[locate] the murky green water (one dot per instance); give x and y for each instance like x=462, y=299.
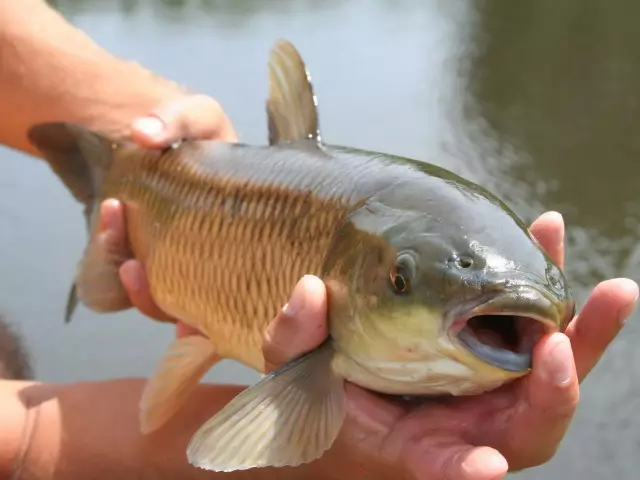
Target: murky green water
x=539, y=101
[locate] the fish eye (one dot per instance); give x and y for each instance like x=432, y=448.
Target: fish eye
x=400, y=283
x=402, y=274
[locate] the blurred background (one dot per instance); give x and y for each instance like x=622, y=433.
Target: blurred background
x=537, y=101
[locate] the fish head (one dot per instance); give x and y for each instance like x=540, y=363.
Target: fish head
x=441, y=290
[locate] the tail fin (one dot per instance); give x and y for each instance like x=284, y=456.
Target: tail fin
x=81, y=159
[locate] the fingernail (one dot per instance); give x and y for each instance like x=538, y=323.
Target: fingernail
x=552, y=213
x=296, y=301
x=626, y=311
x=561, y=356
x=107, y=217
x=150, y=126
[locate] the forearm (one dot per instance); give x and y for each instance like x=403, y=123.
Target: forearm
x=50, y=70
x=90, y=430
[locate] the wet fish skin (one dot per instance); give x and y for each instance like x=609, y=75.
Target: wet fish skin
x=226, y=230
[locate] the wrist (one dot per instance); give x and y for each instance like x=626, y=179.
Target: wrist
x=52, y=71
x=116, y=103
x=19, y=422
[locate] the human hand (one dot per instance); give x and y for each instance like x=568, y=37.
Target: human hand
x=189, y=117
x=475, y=438
x=467, y=438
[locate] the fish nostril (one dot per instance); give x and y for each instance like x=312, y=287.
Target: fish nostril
x=465, y=262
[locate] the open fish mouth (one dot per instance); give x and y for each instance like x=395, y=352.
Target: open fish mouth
x=503, y=333
x=503, y=340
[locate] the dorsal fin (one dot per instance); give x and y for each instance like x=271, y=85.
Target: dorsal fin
x=291, y=106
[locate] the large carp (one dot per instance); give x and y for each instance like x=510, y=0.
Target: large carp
x=434, y=285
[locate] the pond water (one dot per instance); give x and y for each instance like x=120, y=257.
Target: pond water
x=538, y=101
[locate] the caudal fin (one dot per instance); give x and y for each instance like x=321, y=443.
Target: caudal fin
x=81, y=159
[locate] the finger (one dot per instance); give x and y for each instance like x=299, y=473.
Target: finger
x=455, y=461
x=601, y=318
x=475, y=463
x=193, y=117
x=113, y=233
x=111, y=236
x=548, y=229
x=546, y=403
x=112, y=220
x=300, y=327
x=134, y=279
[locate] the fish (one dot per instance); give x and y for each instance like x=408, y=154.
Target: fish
x=434, y=285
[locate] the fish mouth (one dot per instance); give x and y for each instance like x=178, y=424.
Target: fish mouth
x=504, y=330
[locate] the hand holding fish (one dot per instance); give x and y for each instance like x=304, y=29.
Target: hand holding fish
x=384, y=335
x=460, y=439
x=190, y=117
x=469, y=438
x=475, y=438
x=78, y=432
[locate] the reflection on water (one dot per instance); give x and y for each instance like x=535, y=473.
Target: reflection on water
x=560, y=86
x=538, y=101
x=213, y=12
x=556, y=85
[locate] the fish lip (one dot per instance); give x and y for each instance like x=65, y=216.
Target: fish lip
x=538, y=310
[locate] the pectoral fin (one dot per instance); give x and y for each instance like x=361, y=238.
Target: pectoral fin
x=290, y=417
x=184, y=363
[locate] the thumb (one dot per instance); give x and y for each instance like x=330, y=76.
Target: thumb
x=548, y=400
x=300, y=326
x=189, y=117
x=453, y=459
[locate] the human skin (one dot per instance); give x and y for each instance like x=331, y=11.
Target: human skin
x=51, y=71
x=91, y=429
x=515, y=427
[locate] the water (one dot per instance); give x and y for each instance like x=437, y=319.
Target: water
x=538, y=101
